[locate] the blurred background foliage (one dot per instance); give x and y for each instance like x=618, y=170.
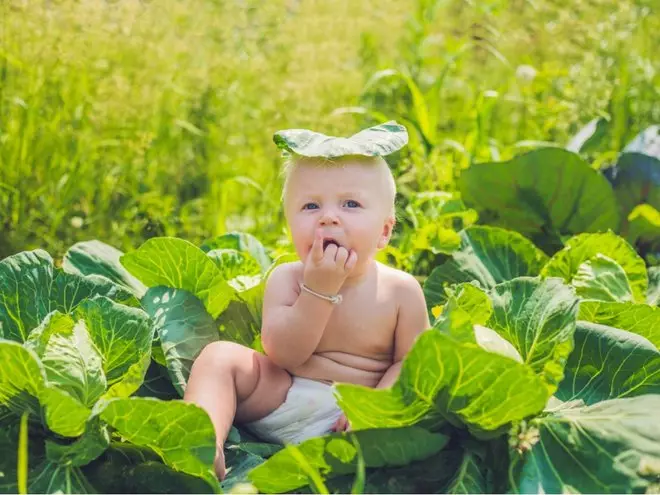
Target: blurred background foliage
x=124, y=120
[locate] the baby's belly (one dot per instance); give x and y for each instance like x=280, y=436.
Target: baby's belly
x=335, y=366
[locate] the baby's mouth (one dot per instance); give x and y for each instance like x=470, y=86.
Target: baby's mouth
x=327, y=242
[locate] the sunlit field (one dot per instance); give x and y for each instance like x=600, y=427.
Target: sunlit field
x=126, y=120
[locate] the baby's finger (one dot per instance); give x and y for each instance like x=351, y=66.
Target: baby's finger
x=342, y=256
x=351, y=261
x=330, y=252
x=317, y=246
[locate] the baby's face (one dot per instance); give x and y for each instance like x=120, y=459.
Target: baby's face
x=349, y=202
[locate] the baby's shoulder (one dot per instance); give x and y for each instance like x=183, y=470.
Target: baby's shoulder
x=282, y=285
x=399, y=282
x=408, y=298
x=286, y=273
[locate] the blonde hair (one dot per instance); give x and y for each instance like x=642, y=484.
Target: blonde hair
x=295, y=161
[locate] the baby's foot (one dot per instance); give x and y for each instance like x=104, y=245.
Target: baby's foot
x=219, y=463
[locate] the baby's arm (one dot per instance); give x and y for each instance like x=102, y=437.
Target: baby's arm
x=293, y=321
x=412, y=320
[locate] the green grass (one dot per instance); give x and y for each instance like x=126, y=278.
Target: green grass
x=125, y=120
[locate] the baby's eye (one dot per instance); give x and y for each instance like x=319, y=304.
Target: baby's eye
x=310, y=206
x=351, y=203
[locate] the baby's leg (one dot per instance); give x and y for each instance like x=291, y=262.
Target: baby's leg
x=232, y=382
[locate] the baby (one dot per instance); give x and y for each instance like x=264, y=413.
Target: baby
x=336, y=316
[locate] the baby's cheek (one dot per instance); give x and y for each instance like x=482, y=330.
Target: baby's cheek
x=303, y=252
x=303, y=249
x=300, y=243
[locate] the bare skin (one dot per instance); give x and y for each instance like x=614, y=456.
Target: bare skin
x=338, y=221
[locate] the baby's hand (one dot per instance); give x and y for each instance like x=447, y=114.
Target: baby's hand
x=325, y=271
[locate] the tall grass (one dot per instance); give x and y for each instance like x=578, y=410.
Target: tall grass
x=481, y=81
x=155, y=118
x=123, y=120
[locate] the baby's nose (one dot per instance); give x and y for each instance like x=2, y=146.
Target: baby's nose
x=329, y=218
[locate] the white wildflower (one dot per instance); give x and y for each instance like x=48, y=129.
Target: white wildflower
x=525, y=73
x=77, y=222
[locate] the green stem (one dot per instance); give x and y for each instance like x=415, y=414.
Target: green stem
x=360, y=476
x=23, y=454
x=313, y=474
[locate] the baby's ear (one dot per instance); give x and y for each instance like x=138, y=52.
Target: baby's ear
x=386, y=234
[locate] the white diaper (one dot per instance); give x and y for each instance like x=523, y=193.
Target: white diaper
x=309, y=410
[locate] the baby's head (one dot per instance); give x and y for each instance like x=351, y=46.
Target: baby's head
x=351, y=198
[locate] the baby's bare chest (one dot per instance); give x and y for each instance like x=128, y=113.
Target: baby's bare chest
x=362, y=325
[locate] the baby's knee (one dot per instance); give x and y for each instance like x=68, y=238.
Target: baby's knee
x=222, y=355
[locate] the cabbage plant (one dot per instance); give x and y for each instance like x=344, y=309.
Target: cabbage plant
x=542, y=374
x=550, y=194
x=73, y=350
x=539, y=374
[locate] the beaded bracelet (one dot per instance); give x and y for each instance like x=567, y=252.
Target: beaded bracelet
x=333, y=299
